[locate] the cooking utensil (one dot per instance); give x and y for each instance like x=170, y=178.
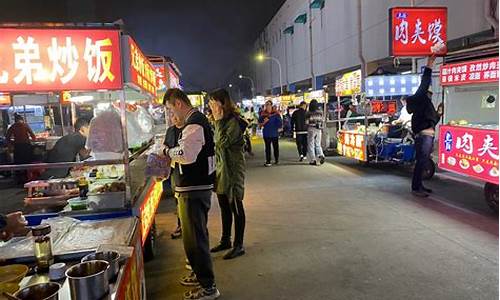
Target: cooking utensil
x=112, y=257
x=88, y=280
x=40, y=291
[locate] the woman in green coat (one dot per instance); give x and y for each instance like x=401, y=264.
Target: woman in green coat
x=230, y=170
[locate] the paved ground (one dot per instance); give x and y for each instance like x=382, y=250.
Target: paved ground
x=345, y=231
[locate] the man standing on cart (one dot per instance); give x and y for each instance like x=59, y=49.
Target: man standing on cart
x=423, y=123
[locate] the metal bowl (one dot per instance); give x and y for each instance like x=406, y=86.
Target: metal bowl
x=112, y=257
x=88, y=280
x=40, y=291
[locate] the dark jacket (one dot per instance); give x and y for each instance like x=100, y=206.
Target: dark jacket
x=420, y=105
x=272, y=127
x=299, y=121
x=172, y=136
x=230, y=157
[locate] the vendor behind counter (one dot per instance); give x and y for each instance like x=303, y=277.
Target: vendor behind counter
x=68, y=148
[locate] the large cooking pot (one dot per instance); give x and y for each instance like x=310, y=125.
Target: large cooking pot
x=88, y=280
x=40, y=291
x=112, y=257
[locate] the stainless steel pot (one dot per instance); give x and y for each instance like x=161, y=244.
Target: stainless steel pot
x=112, y=257
x=40, y=291
x=88, y=280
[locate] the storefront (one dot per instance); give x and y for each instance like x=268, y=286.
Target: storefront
x=104, y=200
x=468, y=138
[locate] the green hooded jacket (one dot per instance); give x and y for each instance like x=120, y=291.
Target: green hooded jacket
x=229, y=158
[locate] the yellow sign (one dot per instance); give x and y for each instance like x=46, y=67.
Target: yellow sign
x=352, y=145
x=196, y=100
x=148, y=208
x=349, y=84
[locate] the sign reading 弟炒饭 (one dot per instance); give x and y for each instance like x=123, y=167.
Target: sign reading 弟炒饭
x=413, y=31
x=470, y=72
x=39, y=60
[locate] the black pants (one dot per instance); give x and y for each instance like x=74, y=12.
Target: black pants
x=276, y=148
x=193, y=212
x=301, y=140
x=423, y=150
x=227, y=210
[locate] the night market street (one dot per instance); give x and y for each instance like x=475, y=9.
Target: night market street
x=344, y=231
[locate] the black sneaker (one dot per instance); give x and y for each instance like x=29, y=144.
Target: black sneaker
x=235, y=252
x=301, y=158
x=189, y=280
x=202, y=294
x=321, y=160
x=221, y=247
x=420, y=193
x=276, y=162
x=267, y=164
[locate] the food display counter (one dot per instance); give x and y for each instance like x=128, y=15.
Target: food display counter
x=468, y=139
x=105, y=199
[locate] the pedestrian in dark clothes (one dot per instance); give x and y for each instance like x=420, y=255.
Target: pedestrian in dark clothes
x=271, y=123
x=300, y=128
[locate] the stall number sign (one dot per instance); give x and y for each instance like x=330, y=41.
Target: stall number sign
x=352, y=145
x=148, y=208
x=39, y=60
x=415, y=30
x=142, y=72
x=384, y=107
x=348, y=84
x=469, y=151
x=478, y=71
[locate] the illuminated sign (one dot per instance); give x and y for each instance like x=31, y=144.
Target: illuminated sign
x=389, y=107
x=5, y=100
x=196, y=100
x=478, y=71
x=396, y=85
x=148, y=208
x=173, y=79
x=39, y=60
x=352, y=144
x=469, y=151
x=348, y=84
x=141, y=72
x=415, y=30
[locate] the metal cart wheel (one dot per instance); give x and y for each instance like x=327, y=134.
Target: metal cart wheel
x=491, y=196
x=150, y=244
x=430, y=170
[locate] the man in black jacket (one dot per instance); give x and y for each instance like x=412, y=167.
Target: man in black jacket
x=194, y=173
x=300, y=128
x=423, y=123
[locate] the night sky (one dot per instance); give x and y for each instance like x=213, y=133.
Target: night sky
x=206, y=38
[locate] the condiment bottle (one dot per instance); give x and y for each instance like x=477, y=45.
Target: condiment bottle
x=83, y=187
x=43, y=247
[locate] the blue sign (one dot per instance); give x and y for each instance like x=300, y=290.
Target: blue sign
x=448, y=141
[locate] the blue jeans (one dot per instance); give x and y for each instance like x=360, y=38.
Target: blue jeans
x=424, y=145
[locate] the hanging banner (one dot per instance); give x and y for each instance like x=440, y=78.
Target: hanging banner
x=469, y=151
x=42, y=60
x=413, y=31
x=478, y=71
x=139, y=70
x=348, y=84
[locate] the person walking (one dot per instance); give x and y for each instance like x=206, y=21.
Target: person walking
x=314, y=121
x=271, y=123
x=423, y=123
x=300, y=129
x=230, y=171
x=194, y=173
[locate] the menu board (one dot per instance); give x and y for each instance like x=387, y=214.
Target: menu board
x=348, y=84
x=471, y=72
x=352, y=144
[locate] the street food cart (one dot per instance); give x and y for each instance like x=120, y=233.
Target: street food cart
x=103, y=69
x=468, y=139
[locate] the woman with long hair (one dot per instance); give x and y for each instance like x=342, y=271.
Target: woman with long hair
x=230, y=170
x=314, y=121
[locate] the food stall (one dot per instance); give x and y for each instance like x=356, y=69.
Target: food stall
x=468, y=137
x=198, y=99
x=104, y=200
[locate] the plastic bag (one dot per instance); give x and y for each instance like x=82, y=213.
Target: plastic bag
x=105, y=133
x=157, y=166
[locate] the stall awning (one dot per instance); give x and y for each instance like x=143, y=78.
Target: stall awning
x=288, y=30
x=318, y=4
x=301, y=19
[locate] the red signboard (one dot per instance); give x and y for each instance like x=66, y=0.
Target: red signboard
x=140, y=71
x=161, y=77
x=414, y=30
x=389, y=107
x=39, y=60
x=478, y=71
x=352, y=144
x=469, y=151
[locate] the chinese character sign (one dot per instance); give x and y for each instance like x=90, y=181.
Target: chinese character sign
x=478, y=71
x=469, y=151
x=39, y=60
x=414, y=30
x=348, y=84
x=141, y=71
x=352, y=145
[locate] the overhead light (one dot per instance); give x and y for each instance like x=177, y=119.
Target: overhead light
x=310, y=89
x=81, y=99
x=240, y=76
x=405, y=72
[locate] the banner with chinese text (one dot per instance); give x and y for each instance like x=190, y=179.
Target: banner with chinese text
x=41, y=60
x=414, y=30
x=352, y=145
x=348, y=84
x=478, y=71
x=469, y=151
x=139, y=71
